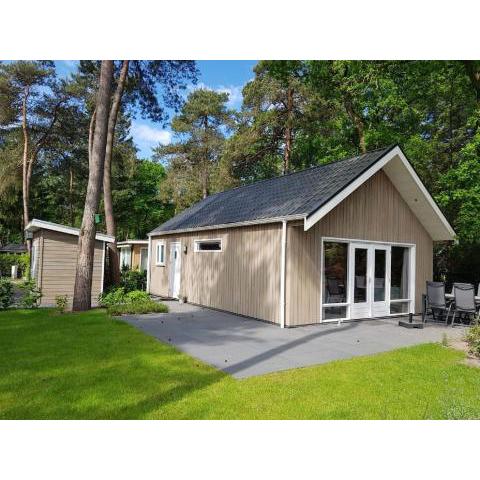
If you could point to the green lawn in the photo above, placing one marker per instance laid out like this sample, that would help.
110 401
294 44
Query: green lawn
90 366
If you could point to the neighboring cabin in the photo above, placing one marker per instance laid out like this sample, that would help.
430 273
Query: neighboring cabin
54 258
16 248
348 240
133 254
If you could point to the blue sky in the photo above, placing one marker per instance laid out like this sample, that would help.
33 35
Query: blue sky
223 75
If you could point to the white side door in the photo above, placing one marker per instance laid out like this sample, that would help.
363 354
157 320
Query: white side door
175 269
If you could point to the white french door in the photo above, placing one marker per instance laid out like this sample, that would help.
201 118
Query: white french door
366 279
175 269
369 280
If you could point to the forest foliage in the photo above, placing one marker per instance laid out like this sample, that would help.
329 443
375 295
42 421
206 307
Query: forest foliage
294 115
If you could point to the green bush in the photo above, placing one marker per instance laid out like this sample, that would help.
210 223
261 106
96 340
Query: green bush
9 259
473 340
133 280
6 293
138 307
136 302
61 302
31 295
118 296
136 296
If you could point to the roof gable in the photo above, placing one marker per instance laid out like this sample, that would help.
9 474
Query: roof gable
310 194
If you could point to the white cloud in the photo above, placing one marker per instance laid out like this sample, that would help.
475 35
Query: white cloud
235 96
234 92
142 132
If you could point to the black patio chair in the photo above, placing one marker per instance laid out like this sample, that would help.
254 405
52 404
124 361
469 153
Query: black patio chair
334 289
436 301
460 285
464 302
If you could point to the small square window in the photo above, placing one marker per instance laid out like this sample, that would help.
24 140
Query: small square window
160 255
208 245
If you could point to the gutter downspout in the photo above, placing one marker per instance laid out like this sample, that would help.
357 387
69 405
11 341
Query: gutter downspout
283 269
149 256
103 267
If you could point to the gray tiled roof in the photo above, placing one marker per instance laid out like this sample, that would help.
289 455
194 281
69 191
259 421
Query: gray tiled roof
296 194
14 248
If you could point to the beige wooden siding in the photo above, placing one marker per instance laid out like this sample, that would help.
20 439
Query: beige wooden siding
244 278
59 257
375 211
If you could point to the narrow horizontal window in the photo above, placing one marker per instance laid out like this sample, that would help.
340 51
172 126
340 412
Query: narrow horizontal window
208 245
334 313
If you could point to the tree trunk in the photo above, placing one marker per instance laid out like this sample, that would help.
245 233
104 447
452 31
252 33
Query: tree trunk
86 238
107 174
70 196
474 76
288 132
25 183
357 122
90 135
206 161
205 182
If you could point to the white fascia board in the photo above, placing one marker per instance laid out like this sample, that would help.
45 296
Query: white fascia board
36 224
409 186
247 223
133 242
417 197
311 220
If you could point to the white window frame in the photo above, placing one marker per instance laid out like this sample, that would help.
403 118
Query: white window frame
411 288
197 242
123 249
143 249
34 260
160 262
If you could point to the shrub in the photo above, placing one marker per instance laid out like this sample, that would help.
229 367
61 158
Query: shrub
114 296
118 296
139 307
9 259
133 280
61 302
6 293
473 340
31 295
136 296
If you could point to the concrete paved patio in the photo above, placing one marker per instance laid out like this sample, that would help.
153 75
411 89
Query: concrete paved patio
244 347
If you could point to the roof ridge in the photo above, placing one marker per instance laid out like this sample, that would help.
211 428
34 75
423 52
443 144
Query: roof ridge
275 195
256 182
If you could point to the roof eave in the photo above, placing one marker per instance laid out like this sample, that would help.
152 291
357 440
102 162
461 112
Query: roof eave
261 221
36 224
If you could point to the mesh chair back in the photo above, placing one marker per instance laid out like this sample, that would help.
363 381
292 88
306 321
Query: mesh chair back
333 287
436 294
460 285
464 297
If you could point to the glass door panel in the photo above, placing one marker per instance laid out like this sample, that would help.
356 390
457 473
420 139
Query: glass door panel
400 279
380 280
360 260
360 282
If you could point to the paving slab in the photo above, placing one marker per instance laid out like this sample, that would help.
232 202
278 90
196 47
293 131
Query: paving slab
245 347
